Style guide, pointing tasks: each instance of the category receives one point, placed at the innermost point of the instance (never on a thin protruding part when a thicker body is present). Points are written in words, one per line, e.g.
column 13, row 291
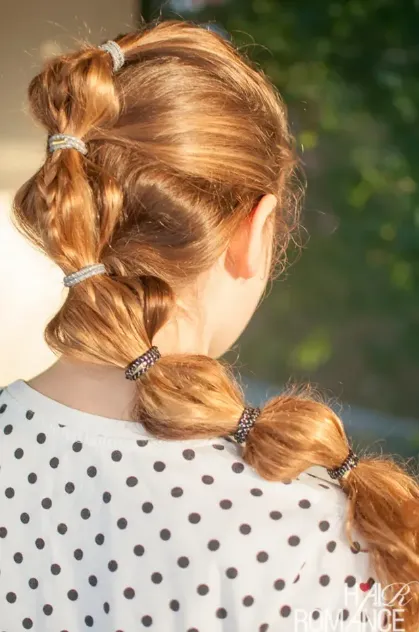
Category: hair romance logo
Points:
column 367, row 606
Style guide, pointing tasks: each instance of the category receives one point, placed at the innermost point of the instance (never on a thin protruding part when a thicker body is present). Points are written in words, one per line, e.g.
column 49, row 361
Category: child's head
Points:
column 186, row 186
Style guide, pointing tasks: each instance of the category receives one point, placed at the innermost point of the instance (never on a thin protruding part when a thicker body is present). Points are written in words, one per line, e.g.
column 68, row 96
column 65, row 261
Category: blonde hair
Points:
column 182, row 142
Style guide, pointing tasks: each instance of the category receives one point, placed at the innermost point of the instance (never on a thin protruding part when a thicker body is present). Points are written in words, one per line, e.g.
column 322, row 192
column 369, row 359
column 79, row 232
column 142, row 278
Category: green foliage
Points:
column 347, row 313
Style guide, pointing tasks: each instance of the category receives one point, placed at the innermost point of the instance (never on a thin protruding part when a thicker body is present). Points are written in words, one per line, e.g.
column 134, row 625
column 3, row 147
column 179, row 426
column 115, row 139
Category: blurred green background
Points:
column 345, row 316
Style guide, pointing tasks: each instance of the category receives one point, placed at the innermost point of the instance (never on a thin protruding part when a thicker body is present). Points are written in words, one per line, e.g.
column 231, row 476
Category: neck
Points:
column 104, row 390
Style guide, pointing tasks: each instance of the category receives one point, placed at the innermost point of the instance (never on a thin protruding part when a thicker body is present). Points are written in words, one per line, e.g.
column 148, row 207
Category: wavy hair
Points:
column 182, row 142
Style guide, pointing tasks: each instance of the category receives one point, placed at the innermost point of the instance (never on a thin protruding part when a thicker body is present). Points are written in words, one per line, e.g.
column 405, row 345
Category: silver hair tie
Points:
column 246, row 423
column 142, row 364
column 343, row 470
column 83, row 274
column 115, row 51
column 66, row 141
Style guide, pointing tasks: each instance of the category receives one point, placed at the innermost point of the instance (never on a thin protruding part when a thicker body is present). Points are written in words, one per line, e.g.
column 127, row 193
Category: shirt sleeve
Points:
column 337, row 588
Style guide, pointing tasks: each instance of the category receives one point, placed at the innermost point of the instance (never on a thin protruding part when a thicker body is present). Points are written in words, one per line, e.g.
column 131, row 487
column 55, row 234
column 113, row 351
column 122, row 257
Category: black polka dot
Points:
column 18, row 453
column 262, row 556
column 32, row 478
column 324, row 580
column 113, row 565
column 165, row 534
column 304, row 504
column 8, row 429
column 129, row 593
column 174, row 605
column 226, row 504
column 147, row 621
column 106, row 607
column 218, row 446
column 18, row 558
column 27, row 623
column 297, row 579
column 85, row 513
column 183, row 562
column 245, row 529
column 350, row 581
column 46, row 503
column 3, row 532
column 237, row 467
column 88, row 621
column 189, row 455
column 116, row 456
column 202, row 589
column 29, row 414
column 142, row 442
column 78, row 554
column 3, row 407
column 62, row 528
column 207, row 479
column 72, row 595
column 221, row 613
column 248, row 601
column 47, row 609
column 91, row 471
column 93, row 580
column 331, row 546
column 255, row 491
column 138, row 550
column 213, row 545
column 122, row 523
column 285, row 611
column 40, row 543
column 69, row 487
column 132, row 481
column 177, row 492
column 194, row 518
column 11, row 597
column 147, row 507
column 9, row 492
column 264, row 627
column 54, row 462
column 33, row 583
column 106, row 497
column 157, row 578
column 315, row 615
column 41, row 438
column 24, row 517
column 159, row 466
column 324, row 525
column 232, row 572
column 356, row 547
column 275, row 515
column 344, row 615
column 55, row 569
column 279, row 584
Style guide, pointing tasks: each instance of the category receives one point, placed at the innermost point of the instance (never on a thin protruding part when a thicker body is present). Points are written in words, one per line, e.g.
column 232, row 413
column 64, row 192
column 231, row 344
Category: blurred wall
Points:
column 30, row 287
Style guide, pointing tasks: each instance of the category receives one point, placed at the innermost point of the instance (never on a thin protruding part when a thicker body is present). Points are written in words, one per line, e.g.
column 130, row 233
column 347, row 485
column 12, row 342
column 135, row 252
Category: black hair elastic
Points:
column 349, row 463
column 142, row 364
column 246, row 423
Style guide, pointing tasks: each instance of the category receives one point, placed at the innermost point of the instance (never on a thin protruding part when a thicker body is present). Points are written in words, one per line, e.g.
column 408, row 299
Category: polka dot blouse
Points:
column 103, row 526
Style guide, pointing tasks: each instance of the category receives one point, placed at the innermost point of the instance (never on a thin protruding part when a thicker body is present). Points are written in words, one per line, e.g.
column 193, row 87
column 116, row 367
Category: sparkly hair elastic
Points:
column 83, row 274
column 116, row 52
column 246, row 423
column 142, row 364
column 349, row 463
column 66, row 141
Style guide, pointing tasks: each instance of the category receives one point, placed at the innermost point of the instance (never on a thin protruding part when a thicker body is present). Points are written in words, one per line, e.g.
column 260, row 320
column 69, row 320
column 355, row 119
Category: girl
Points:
column 138, row 490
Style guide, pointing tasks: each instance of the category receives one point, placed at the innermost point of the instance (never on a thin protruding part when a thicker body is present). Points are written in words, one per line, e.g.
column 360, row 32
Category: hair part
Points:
column 182, row 143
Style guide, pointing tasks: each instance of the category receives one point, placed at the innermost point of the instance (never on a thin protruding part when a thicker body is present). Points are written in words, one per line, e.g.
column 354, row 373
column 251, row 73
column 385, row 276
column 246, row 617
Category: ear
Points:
column 248, row 246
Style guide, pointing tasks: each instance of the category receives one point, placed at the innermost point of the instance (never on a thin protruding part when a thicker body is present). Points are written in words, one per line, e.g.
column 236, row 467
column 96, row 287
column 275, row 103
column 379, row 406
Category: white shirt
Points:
column 103, row 526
